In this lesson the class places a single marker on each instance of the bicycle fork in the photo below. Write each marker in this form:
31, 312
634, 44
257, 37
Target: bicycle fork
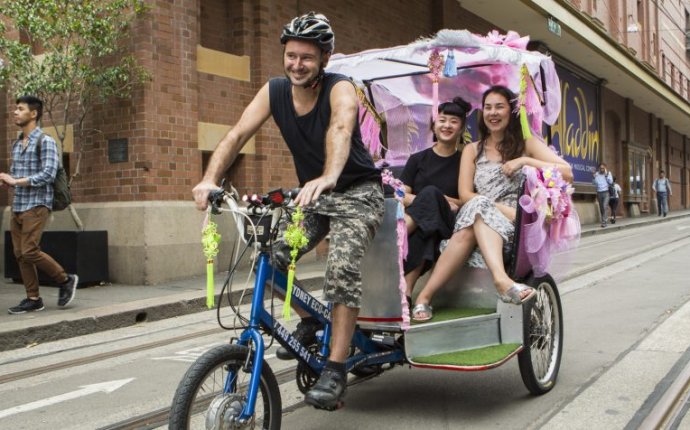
252, 337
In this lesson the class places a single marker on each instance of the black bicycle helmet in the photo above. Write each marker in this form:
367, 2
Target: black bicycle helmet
312, 27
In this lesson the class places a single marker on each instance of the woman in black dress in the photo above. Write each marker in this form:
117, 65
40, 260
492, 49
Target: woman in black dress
431, 190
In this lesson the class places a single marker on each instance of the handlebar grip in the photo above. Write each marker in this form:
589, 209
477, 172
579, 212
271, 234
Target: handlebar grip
216, 199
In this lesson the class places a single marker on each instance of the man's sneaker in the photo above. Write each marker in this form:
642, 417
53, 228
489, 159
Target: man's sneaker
305, 333
68, 290
27, 305
328, 391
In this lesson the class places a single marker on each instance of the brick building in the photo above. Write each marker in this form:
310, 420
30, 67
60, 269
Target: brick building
625, 61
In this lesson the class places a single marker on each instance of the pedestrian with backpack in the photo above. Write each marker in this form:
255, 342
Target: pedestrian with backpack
662, 188
614, 197
33, 168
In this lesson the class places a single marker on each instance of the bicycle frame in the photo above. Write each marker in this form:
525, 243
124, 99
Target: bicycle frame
370, 352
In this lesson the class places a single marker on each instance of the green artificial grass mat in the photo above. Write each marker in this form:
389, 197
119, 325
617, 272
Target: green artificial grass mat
471, 357
447, 314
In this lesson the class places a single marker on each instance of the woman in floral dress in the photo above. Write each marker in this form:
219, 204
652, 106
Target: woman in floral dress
490, 175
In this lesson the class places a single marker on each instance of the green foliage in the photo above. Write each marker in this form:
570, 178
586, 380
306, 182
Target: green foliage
81, 59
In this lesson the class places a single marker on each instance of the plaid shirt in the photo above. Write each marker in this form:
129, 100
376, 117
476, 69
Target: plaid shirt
39, 168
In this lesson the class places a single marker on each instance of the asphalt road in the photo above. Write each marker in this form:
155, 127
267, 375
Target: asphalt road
609, 308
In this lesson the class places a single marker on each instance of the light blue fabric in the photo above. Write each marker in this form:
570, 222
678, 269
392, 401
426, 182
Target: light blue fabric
602, 181
39, 168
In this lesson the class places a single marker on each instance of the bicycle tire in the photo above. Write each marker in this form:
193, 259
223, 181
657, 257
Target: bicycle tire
200, 388
540, 359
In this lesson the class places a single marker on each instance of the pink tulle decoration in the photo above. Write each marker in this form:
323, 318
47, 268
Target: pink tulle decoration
370, 130
557, 227
401, 231
511, 39
533, 106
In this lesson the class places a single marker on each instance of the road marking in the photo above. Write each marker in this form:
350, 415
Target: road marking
188, 355
85, 390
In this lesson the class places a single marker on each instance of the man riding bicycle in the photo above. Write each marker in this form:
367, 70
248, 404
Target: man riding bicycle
317, 116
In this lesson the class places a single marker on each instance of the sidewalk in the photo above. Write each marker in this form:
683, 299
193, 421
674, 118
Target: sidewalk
107, 307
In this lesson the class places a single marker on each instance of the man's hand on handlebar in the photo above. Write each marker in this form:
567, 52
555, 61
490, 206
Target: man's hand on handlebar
311, 191
201, 192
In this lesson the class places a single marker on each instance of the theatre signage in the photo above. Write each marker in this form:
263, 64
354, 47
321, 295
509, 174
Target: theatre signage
576, 134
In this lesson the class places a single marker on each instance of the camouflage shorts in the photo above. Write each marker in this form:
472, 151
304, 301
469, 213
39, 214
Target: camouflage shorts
351, 218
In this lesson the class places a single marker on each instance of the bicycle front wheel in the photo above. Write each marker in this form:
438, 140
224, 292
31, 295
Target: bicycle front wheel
201, 403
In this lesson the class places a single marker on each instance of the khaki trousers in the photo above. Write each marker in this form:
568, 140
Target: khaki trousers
26, 229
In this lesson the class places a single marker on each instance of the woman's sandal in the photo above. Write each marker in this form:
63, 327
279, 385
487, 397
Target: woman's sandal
513, 294
422, 308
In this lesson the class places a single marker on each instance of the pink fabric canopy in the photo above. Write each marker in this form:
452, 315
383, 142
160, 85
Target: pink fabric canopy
399, 84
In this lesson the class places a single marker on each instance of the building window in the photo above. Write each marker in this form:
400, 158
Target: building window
637, 162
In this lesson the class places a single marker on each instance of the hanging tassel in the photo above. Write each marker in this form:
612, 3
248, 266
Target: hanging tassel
524, 120
210, 240
450, 69
435, 64
401, 234
295, 238
524, 123
288, 291
210, 289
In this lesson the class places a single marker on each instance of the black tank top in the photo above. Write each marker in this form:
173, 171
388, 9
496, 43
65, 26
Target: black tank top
306, 135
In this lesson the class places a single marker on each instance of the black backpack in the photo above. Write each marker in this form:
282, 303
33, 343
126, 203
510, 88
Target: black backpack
62, 196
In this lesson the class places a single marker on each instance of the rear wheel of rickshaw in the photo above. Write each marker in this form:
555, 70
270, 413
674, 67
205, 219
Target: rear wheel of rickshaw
540, 359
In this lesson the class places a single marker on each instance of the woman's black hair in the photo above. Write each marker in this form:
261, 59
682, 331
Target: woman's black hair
457, 107
513, 144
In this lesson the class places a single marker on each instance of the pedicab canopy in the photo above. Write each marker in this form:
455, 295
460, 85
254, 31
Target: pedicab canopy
400, 87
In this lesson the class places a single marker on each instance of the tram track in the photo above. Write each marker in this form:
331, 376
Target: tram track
159, 417
671, 408
15, 376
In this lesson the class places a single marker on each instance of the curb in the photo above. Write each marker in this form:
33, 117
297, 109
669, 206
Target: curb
643, 223
59, 330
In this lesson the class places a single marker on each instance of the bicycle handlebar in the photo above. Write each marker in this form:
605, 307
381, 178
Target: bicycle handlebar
271, 203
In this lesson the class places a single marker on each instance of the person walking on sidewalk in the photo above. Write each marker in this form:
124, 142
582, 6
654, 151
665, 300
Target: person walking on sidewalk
662, 188
32, 175
316, 113
614, 197
602, 180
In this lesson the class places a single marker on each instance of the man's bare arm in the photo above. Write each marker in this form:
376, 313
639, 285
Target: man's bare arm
255, 114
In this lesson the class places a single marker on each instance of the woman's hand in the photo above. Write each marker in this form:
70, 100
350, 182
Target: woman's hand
453, 207
512, 166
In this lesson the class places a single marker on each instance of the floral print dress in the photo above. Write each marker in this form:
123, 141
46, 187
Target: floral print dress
492, 186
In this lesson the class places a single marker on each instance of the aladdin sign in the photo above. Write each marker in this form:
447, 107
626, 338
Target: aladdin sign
576, 133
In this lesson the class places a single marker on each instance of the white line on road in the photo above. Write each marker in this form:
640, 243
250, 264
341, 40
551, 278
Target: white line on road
105, 387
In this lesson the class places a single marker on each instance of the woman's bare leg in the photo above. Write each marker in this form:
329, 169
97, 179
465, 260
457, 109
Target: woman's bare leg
411, 279
459, 248
410, 224
491, 245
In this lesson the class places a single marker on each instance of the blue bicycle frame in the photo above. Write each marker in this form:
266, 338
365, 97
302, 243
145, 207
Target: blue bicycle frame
369, 352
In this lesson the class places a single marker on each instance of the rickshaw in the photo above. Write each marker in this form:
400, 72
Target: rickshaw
233, 387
